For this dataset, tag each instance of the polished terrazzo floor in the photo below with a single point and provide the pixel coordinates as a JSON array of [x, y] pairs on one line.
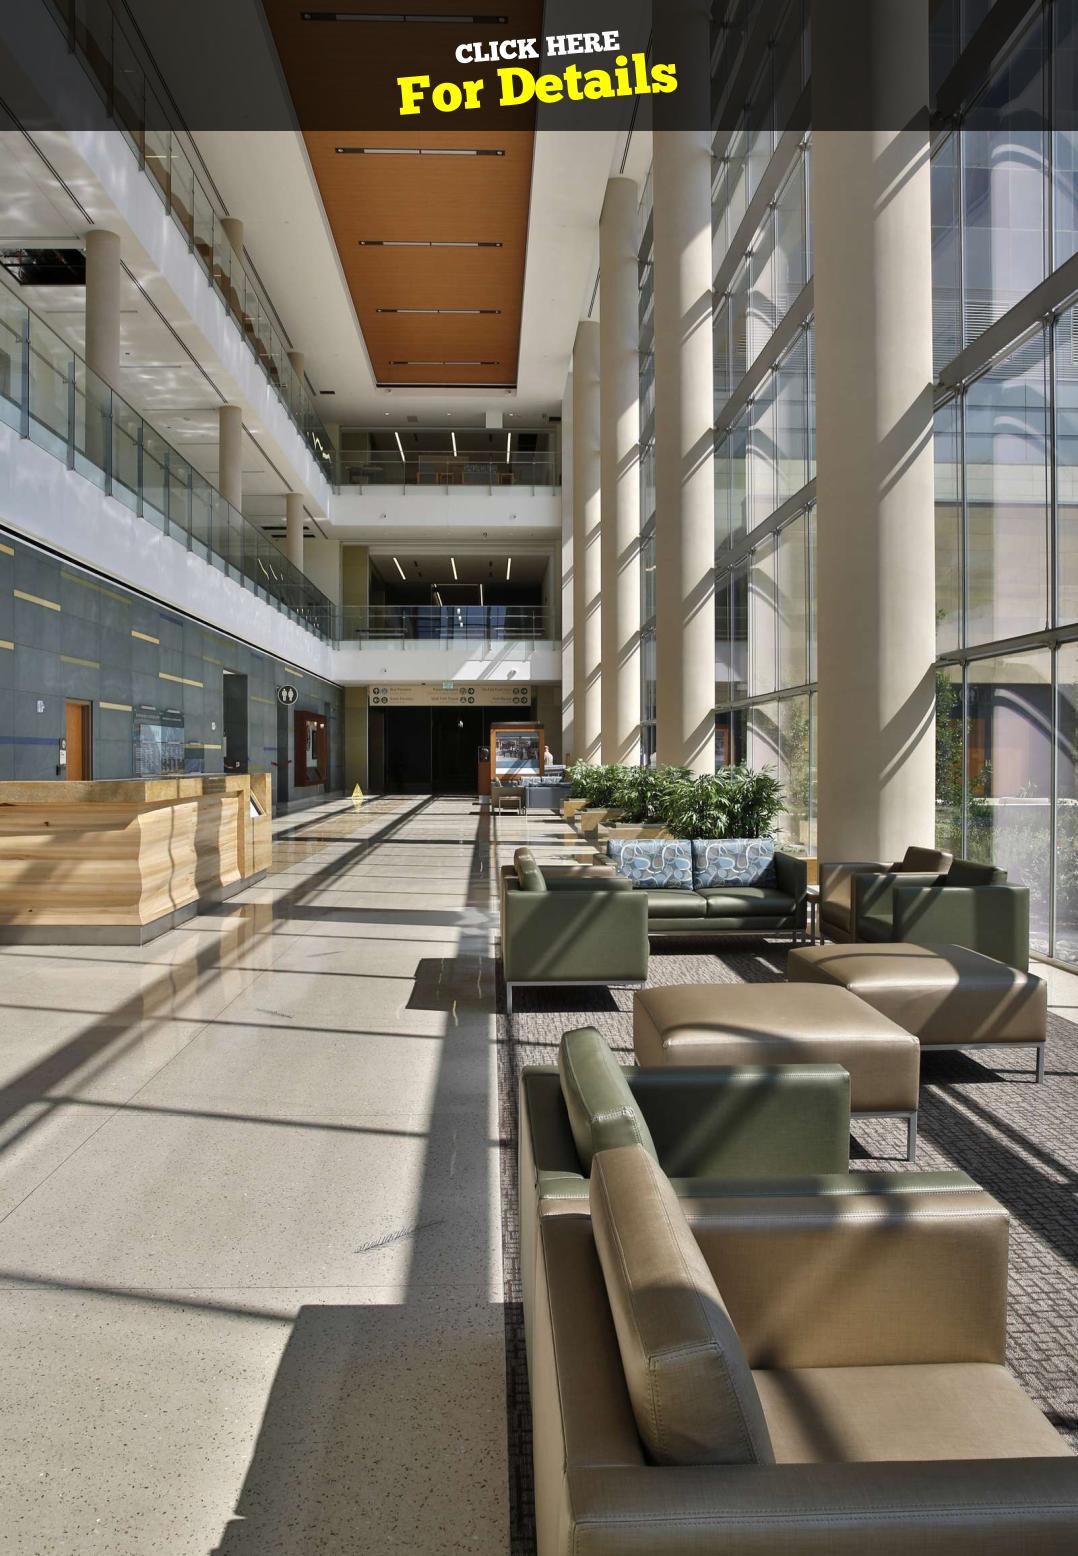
[[250, 1257]]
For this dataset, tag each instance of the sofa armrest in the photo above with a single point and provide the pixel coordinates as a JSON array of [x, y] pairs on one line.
[[599, 935], [973, 1507], [991, 919], [791, 876], [745, 1121], [862, 1279], [873, 893]]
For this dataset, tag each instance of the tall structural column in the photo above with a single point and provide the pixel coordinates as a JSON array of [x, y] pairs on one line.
[[568, 649], [587, 558], [103, 278], [294, 528], [103, 282], [619, 401], [872, 231], [230, 449], [684, 400]]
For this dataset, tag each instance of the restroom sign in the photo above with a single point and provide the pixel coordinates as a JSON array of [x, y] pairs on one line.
[[287, 695]]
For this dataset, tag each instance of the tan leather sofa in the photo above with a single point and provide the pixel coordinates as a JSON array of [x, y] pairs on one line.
[[777, 1379]]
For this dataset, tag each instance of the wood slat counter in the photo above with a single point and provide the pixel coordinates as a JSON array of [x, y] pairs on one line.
[[120, 862]]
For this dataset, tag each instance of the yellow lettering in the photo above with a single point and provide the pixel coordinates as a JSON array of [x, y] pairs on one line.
[[411, 92]]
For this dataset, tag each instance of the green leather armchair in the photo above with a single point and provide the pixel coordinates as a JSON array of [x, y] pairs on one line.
[[972, 905]]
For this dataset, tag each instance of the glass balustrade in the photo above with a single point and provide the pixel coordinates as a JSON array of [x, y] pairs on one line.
[[49, 395], [441, 467], [425, 625], [116, 67]]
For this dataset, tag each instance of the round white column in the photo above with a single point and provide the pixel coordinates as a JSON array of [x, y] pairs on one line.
[[684, 454], [619, 400], [103, 282], [587, 560], [568, 723], [230, 449], [872, 241]]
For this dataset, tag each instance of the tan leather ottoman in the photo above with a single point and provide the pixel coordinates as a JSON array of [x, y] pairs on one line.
[[776, 1023], [947, 996]]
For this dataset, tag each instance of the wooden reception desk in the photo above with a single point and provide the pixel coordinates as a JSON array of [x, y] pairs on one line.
[[120, 862]]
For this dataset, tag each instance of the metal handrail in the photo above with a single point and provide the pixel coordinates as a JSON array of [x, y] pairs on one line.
[[422, 467], [50, 396]]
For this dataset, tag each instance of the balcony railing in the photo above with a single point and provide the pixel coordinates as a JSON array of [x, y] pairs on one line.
[[49, 395], [112, 60], [428, 626], [434, 468]]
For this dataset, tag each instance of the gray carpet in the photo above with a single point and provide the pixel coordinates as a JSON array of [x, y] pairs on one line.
[[981, 1113]]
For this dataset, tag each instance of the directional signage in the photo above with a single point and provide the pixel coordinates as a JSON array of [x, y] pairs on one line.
[[462, 694], [287, 695]]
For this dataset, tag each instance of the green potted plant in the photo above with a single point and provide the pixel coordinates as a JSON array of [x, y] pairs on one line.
[[734, 802], [596, 785], [639, 797]]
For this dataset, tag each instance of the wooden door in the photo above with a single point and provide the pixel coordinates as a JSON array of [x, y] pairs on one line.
[[79, 751]]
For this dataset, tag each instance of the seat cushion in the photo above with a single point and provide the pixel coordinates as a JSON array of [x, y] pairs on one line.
[[746, 902], [689, 1384], [651, 862], [876, 927], [732, 861], [603, 1113], [778, 1023], [943, 994], [849, 1415], [675, 904]]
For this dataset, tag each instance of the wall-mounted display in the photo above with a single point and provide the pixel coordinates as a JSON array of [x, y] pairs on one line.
[[159, 743], [517, 751]]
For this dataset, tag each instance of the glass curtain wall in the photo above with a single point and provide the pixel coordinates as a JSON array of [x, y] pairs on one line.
[[765, 417], [1005, 197]]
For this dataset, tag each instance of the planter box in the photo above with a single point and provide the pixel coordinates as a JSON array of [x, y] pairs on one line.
[[589, 821], [572, 808], [633, 832]]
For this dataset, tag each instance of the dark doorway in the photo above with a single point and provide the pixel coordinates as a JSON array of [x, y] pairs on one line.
[[457, 734], [284, 753], [408, 751], [235, 722]]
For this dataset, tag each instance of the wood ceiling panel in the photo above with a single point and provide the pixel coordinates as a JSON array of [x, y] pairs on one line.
[[436, 199]]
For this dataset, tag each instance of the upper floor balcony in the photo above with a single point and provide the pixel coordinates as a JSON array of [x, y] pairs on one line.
[[469, 459]]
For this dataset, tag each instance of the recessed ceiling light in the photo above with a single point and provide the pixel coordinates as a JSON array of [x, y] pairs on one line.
[[426, 243], [462, 311], [418, 151]]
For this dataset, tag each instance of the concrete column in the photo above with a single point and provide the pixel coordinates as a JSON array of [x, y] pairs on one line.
[[568, 647], [294, 529], [619, 400], [103, 280], [587, 559], [232, 228], [230, 451], [871, 219], [684, 394]]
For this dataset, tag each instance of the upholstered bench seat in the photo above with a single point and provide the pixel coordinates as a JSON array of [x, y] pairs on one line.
[[946, 995], [777, 1024]]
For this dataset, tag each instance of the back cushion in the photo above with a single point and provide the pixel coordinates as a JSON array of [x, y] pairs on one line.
[[652, 864], [731, 861], [965, 873], [603, 1112], [528, 872], [925, 860], [689, 1382]]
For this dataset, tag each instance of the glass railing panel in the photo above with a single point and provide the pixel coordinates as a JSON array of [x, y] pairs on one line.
[[183, 190], [13, 320], [51, 366], [200, 524], [154, 477], [91, 406], [92, 31], [224, 258], [203, 228], [126, 443], [178, 475], [156, 150], [129, 93]]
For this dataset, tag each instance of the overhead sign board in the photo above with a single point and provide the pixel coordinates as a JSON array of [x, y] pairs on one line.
[[452, 694]]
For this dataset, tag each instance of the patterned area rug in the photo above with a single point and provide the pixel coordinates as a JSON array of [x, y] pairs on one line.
[[981, 1113]]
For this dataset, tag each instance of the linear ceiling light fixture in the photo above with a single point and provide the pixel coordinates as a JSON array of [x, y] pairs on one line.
[[419, 151], [400, 569], [453, 565], [416, 17], [454, 437], [400, 445], [508, 568], [508, 447], [468, 312], [425, 243], [400, 362]]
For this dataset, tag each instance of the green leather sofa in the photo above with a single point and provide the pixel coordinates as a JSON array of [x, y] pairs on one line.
[[776, 908], [570, 924], [959, 903]]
